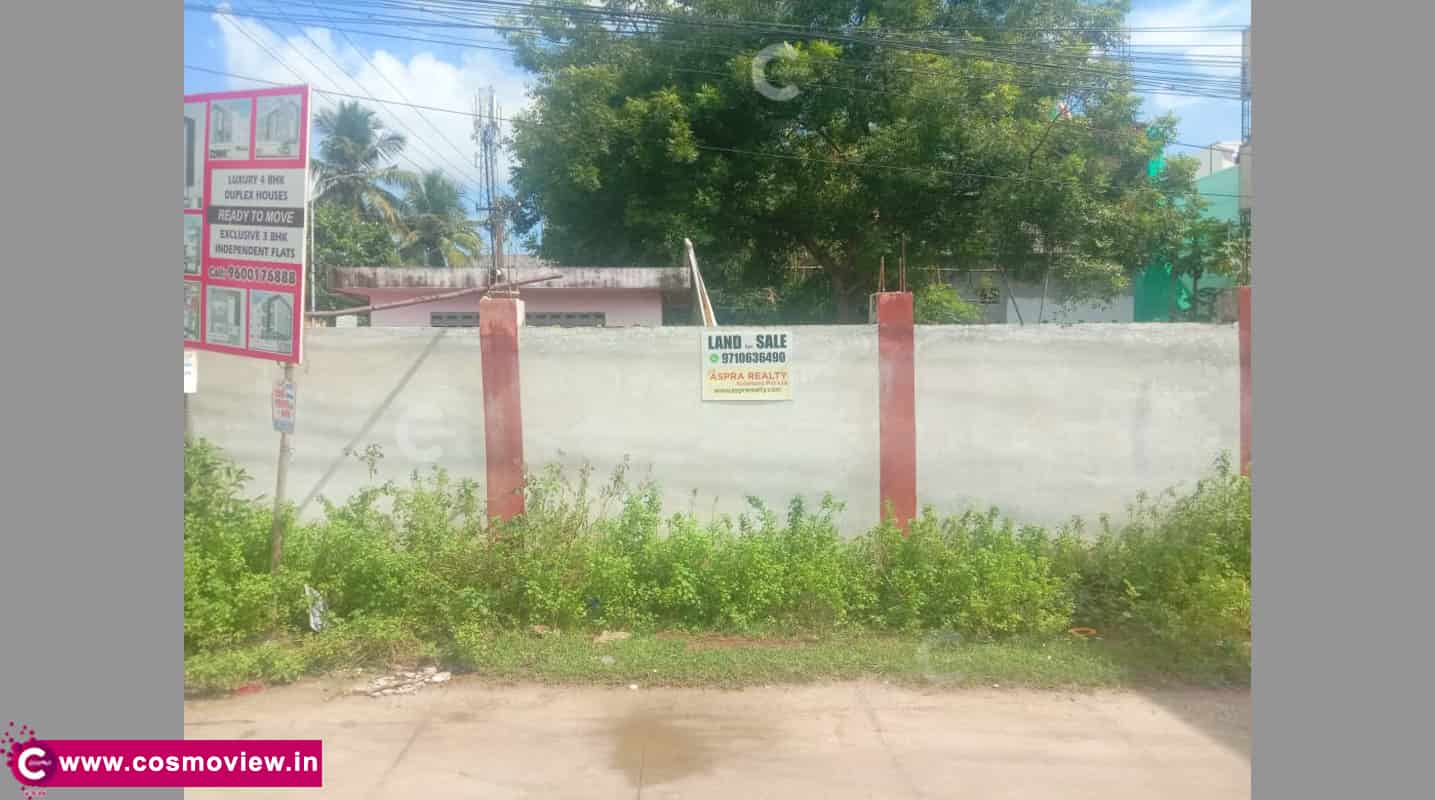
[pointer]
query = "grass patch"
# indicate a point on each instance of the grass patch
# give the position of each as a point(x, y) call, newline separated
point(930, 660)
point(679, 660)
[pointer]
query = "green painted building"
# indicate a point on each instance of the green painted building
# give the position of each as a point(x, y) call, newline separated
point(1152, 288)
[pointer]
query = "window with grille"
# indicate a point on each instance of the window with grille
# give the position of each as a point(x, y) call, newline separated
point(454, 319)
point(566, 319)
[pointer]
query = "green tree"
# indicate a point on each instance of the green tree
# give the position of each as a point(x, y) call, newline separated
point(1160, 218)
point(353, 169)
point(634, 142)
point(1235, 258)
point(939, 304)
point(342, 239)
point(437, 231)
point(1203, 252)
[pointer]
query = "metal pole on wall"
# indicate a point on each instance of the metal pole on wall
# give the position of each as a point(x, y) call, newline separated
point(281, 479)
point(314, 260)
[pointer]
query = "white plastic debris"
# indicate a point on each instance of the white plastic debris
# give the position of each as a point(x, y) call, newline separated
point(317, 609)
point(608, 661)
point(403, 682)
point(612, 636)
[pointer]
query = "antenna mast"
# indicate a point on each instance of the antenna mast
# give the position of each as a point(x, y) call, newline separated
point(486, 135)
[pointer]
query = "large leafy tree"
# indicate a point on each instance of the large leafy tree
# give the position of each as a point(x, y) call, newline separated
point(343, 239)
point(437, 231)
point(978, 133)
point(1211, 247)
point(354, 169)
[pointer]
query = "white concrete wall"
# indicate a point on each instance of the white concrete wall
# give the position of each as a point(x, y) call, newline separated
point(596, 396)
point(343, 399)
point(1044, 422)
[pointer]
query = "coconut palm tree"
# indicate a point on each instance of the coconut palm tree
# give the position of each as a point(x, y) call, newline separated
point(437, 231)
point(352, 169)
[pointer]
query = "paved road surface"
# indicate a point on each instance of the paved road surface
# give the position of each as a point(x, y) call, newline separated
point(469, 739)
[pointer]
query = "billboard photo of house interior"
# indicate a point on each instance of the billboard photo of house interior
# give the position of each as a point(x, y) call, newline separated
point(229, 129)
point(271, 320)
point(191, 311)
point(277, 134)
point(193, 230)
point(193, 155)
point(225, 318)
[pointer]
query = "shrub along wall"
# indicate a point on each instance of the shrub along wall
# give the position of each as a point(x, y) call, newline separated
point(414, 568)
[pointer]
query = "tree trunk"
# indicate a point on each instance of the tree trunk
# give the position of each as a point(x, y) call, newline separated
point(844, 277)
point(841, 294)
point(1195, 297)
point(1175, 285)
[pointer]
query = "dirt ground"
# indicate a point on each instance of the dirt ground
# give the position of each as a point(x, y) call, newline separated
point(472, 739)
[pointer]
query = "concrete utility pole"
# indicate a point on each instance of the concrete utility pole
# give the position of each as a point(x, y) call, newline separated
point(281, 481)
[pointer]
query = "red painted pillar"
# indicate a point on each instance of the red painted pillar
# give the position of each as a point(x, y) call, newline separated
point(897, 404)
point(499, 319)
point(1243, 305)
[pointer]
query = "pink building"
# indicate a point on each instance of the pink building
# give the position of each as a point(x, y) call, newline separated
point(613, 297)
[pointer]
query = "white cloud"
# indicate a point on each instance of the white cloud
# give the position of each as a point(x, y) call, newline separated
point(1194, 47)
point(444, 141)
point(1163, 102)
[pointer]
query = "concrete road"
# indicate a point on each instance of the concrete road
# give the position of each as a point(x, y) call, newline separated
point(469, 739)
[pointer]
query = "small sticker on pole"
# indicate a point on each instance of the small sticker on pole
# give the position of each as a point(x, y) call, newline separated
point(283, 406)
point(191, 372)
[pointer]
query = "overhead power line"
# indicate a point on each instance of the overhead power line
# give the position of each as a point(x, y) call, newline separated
point(735, 151)
point(401, 94)
point(901, 167)
point(510, 120)
point(1195, 84)
point(432, 151)
point(1148, 79)
point(297, 76)
point(886, 36)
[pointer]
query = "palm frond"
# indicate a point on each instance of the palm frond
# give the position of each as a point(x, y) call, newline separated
point(397, 176)
point(389, 144)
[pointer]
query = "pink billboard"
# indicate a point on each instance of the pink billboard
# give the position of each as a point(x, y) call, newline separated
point(246, 192)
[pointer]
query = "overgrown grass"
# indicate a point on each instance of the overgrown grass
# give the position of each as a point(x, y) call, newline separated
point(415, 572)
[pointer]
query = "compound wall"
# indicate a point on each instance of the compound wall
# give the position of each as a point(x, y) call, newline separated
point(1045, 422)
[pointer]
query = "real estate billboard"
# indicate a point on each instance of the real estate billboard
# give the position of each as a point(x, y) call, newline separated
point(246, 198)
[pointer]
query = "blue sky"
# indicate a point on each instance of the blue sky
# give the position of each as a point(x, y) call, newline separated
point(444, 76)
